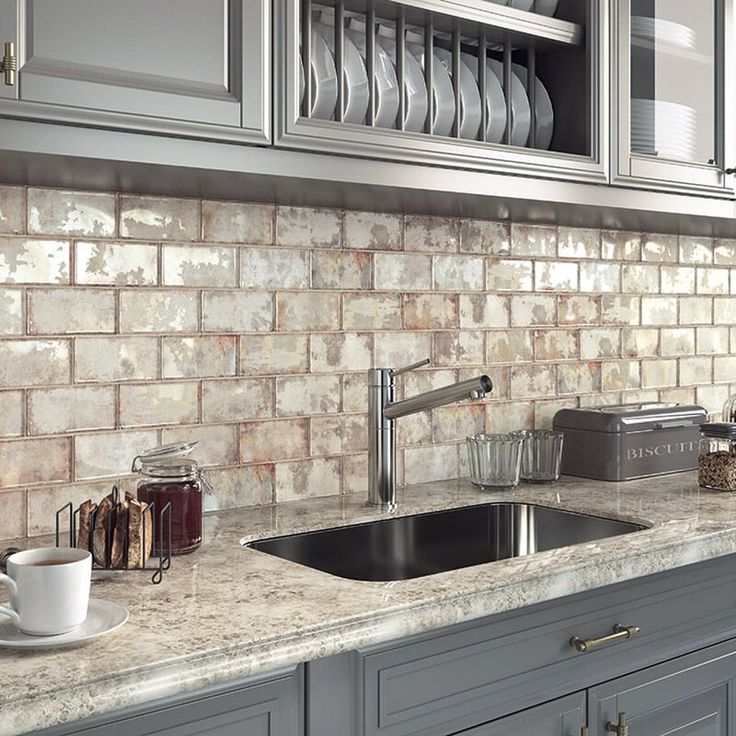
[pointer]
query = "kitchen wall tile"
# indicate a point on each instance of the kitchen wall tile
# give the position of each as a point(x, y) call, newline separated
point(217, 444)
point(620, 310)
point(658, 373)
point(355, 473)
point(406, 272)
point(341, 352)
point(273, 268)
point(724, 369)
point(248, 485)
point(455, 422)
point(600, 277)
point(13, 518)
point(554, 276)
point(458, 273)
point(508, 416)
point(724, 252)
point(307, 479)
point(578, 378)
point(533, 310)
point(459, 348)
point(544, 411)
point(639, 278)
point(431, 311)
point(424, 464)
point(556, 345)
point(307, 311)
point(116, 264)
point(341, 270)
point(509, 275)
point(696, 250)
point(677, 396)
point(159, 403)
point(11, 312)
point(712, 340)
point(658, 310)
point(619, 245)
point(484, 311)
point(107, 454)
point(712, 398)
point(308, 227)
point(237, 311)
point(307, 395)
point(236, 399)
point(235, 222)
point(695, 310)
point(25, 261)
point(269, 354)
point(510, 346)
point(104, 359)
point(532, 381)
point(578, 310)
point(26, 462)
point(335, 434)
point(677, 280)
point(34, 362)
point(64, 311)
point(485, 237)
point(724, 310)
point(159, 218)
point(70, 408)
point(11, 413)
point(198, 357)
point(396, 349)
point(677, 341)
point(12, 211)
point(371, 311)
point(533, 240)
point(712, 281)
point(55, 212)
point(647, 396)
point(145, 310)
point(578, 242)
point(620, 375)
point(426, 379)
point(660, 248)
point(696, 370)
point(640, 342)
point(373, 231)
point(432, 234)
point(269, 441)
point(416, 429)
point(194, 265)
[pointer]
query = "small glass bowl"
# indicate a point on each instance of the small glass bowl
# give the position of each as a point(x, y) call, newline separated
point(541, 455)
point(495, 460)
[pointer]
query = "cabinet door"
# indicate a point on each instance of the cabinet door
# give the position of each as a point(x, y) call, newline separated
point(675, 123)
point(688, 696)
point(167, 65)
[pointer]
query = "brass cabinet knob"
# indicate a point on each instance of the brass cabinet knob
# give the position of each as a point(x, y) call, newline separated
point(618, 633)
point(621, 727)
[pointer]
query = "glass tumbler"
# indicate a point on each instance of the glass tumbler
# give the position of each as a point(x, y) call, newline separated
point(495, 460)
point(541, 455)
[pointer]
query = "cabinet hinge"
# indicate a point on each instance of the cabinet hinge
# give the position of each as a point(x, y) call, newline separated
point(9, 63)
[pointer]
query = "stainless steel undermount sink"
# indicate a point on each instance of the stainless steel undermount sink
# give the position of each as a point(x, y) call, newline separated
point(413, 546)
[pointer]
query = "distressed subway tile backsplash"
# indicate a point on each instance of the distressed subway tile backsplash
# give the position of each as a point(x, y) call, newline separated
point(128, 321)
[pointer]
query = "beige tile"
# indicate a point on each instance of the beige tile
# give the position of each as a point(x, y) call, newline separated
point(11, 312)
point(532, 240)
point(712, 340)
point(402, 272)
point(269, 354)
point(12, 211)
point(712, 397)
point(432, 234)
point(55, 212)
point(307, 395)
point(532, 310)
point(103, 359)
point(25, 462)
point(341, 270)
point(282, 439)
point(159, 218)
point(371, 312)
point(695, 371)
point(509, 275)
point(194, 265)
point(677, 396)
point(485, 237)
point(712, 281)
point(660, 248)
point(274, 268)
point(619, 245)
point(620, 310)
point(600, 277)
point(544, 411)
point(578, 242)
point(13, 504)
point(724, 252)
point(455, 422)
point(217, 444)
point(724, 310)
point(556, 344)
point(159, 403)
point(71, 408)
point(507, 417)
point(116, 264)
point(724, 369)
point(396, 349)
point(11, 413)
point(620, 375)
point(458, 273)
point(63, 311)
point(198, 357)
point(240, 487)
point(600, 343)
point(484, 311)
point(426, 379)
point(640, 342)
point(678, 280)
point(461, 348)
point(431, 311)
point(416, 429)
point(354, 391)
point(578, 378)
point(341, 352)
point(696, 310)
point(658, 310)
point(532, 381)
point(424, 464)
point(236, 222)
point(34, 362)
point(338, 433)
point(146, 310)
point(578, 310)
point(237, 311)
point(640, 397)
point(355, 473)
point(658, 373)
point(308, 227)
point(555, 276)
point(307, 311)
point(24, 261)
point(637, 278)
point(307, 479)
point(235, 399)
point(107, 454)
point(696, 250)
point(373, 231)
point(510, 346)
point(677, 341)
point(609, 398)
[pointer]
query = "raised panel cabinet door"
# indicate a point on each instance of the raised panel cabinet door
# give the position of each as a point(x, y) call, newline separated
point(693, 695)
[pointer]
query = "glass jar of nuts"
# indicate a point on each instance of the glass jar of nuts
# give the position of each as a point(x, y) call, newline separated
point(717, 460)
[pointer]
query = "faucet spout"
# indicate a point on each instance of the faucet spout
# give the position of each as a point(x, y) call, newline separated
point(473, 388)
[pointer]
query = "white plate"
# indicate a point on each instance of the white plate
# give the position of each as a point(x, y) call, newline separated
point(102, 618)
point(521, 113)
point(663, 30)
point(544, 112)
point(355, 78)
point(546, 7)
point(522, 4)
point(442, 92)
point(470, 112)
point(324, 79)
point(415, 89)
point(495, 101)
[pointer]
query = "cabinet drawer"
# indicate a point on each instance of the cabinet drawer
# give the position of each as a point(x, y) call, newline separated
point(474, 673)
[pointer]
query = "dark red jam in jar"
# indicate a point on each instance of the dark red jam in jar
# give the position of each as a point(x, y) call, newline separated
point(167, 477)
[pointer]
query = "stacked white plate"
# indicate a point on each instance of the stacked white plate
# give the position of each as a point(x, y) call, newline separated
point(663, 128)
point(542, 7)
point(661, 30)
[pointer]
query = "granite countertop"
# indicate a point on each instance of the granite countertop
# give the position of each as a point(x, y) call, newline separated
point(226, 611)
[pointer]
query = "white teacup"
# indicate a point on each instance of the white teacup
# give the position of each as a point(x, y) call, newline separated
point(49, 589)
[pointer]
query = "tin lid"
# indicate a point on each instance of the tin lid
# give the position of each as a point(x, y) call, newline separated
point(719, 430)
point(630, 417)
point(161, 455)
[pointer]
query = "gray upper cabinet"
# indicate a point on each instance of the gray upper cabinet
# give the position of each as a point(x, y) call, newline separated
point(673, 121)
point(174, 66)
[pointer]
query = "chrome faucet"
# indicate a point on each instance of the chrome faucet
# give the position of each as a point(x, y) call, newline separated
point(383, 412)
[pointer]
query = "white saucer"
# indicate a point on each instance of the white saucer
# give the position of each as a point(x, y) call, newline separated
point(102, 618)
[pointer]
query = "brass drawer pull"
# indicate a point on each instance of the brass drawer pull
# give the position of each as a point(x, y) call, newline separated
point(621, 728)
point(620, 633)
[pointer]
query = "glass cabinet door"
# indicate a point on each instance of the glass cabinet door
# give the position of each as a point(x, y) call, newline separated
point(675, 119)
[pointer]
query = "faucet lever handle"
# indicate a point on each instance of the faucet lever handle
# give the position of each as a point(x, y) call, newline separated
point(407, 368)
